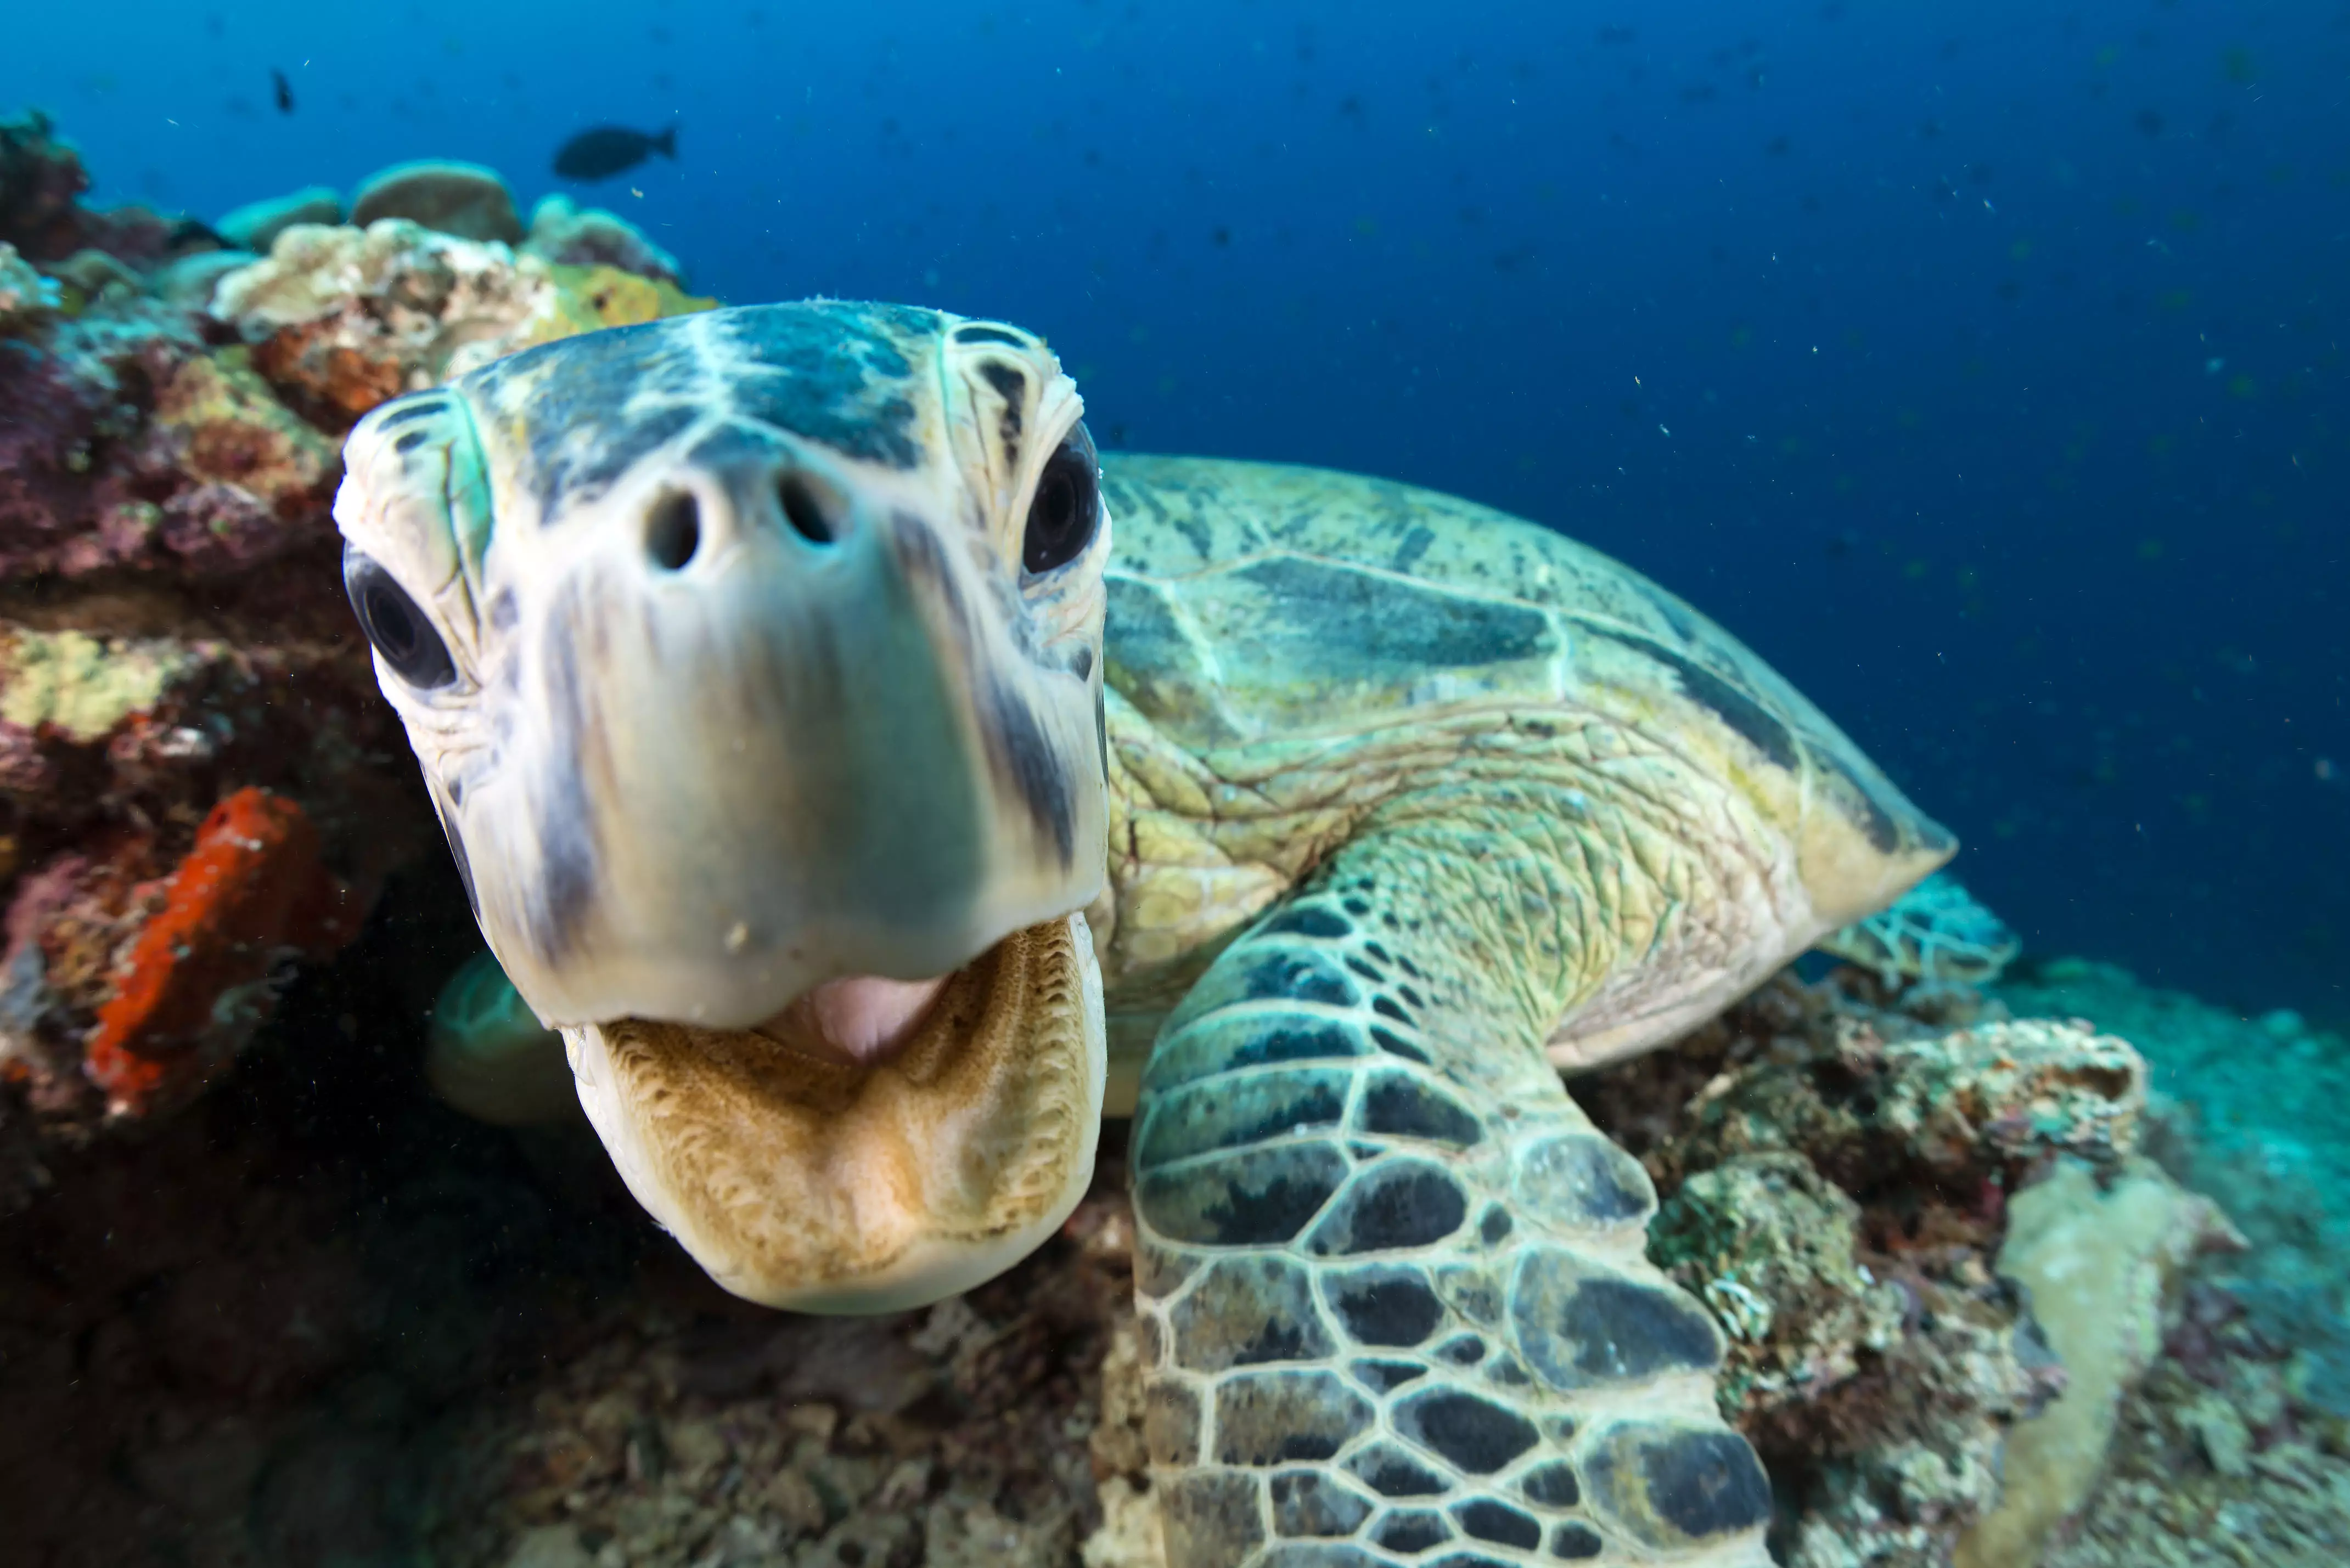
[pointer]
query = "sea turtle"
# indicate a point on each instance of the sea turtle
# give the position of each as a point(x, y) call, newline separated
point(756, 662)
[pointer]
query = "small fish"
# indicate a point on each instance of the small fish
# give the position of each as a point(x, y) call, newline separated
point(284, 91)
point(606, 150)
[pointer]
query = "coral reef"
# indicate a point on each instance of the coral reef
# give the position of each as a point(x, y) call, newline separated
point(41, 182)
point(197, 777)
point(341, 319)
point(1836, 1176)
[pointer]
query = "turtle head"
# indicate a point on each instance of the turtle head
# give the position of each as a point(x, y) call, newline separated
point(753, 662)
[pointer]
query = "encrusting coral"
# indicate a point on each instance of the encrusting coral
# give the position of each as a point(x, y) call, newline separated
point(341, 319)
point(251, 890)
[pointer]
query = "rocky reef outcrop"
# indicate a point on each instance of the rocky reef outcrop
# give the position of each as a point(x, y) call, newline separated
point(199, 787)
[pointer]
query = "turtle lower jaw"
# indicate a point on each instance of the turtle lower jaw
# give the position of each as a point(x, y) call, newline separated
point(875, 1148)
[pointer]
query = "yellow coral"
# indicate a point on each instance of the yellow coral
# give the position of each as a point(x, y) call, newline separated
point(619, 298)
point(81, 685)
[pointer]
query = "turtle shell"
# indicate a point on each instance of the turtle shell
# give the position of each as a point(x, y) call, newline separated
point(1262, 605)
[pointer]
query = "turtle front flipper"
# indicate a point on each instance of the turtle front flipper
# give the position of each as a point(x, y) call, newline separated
point(1392, 1281)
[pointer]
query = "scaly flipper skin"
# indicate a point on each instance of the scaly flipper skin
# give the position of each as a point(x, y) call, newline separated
point(1396, 1304)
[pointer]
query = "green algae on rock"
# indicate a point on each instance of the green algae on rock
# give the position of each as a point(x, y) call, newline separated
point(467, 201)
point(1974, 1105)
point(257, 226)
point(563, 231)
point(82, 686)
point(1768, 1244)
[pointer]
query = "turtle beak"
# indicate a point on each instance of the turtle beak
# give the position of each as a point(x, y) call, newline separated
point(799, 1179)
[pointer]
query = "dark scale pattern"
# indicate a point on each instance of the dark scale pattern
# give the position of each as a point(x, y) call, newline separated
point(1228, 1113)
point(1396, 1203)
point(1551, 1485)
point(1490, 1520)
point(1191, 1054)
point(839, 373)
point(1019, 751)
point(1409, 1533)
point(1737, 710)
point(1507, 1371)
point(1670, 1485)
point(576, 442)
point(1575, 1542)
point(1245, 1312)
point(1395, 1044)
point(1296, 976)
point(1386, 1377)
point(1404, 1106)
point(1475, 1436)
point(1245, 1200)
point(1279, 1417)
point(1581, 1328)
point(1389, 1306)
point(1315, 1503)
point(1494, 1228)
point(1307, 920)
point(1466, 1351)
point(1391, 1472)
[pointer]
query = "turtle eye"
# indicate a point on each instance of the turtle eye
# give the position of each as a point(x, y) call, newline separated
point(395, 627)
point(1066, 512)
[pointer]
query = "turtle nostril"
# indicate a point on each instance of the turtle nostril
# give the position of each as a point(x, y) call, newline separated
point(673, 530)
point(804, 509)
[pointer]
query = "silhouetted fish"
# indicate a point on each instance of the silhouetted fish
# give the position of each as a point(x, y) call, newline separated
point(284, 92)
point(600, 153)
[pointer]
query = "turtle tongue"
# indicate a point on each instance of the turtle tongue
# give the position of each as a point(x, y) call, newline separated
point(856, 1019)
point(881, 1146)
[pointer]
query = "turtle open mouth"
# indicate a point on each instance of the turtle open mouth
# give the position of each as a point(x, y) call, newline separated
point(879, 1145)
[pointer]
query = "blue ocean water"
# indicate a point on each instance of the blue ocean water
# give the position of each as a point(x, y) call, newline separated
point(1979, 365)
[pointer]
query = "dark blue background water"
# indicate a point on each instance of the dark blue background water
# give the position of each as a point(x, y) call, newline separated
point(1980, 365)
